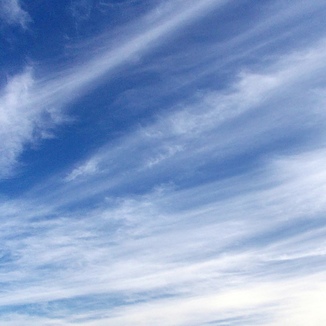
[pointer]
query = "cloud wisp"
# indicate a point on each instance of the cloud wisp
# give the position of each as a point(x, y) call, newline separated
point(33, 98)
point(261, 97)
point(209, 212)
point(11, 13)
point(149, 253)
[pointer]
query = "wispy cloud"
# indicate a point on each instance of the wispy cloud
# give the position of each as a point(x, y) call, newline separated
point(209, 213)
point(21, 122)
point(53, 93)
point(12, 13)
point(182, 138)
point(149, 252)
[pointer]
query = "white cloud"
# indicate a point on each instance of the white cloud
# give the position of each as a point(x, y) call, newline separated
point(249, 246)
point(277, 94)
point(88, 168)
point(22, 121)
point(206, 254)
point(25, 101)
point(212, 246)
point(32, 102)
point(12, 13)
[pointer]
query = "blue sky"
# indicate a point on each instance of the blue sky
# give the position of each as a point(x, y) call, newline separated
point(162, 162)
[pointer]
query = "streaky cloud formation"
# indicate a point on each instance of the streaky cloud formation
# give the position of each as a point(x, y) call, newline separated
point(172, 172)
point(50, 95)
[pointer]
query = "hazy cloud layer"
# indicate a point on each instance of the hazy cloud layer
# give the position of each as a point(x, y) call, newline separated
point(202, 203)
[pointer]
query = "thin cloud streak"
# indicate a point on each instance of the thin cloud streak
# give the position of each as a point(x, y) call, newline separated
point(180, 260)
point(168, 140)
point(137, 234)
point(49, 96)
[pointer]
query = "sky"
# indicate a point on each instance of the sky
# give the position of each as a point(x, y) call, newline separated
point(162, 162)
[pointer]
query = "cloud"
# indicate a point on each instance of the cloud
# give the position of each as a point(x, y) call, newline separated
point(11, 13)
point(206, 253)
point(49, 96)
point(269, 104)
point(136, 234)
point(153, 245)
point(28, 100)
point(169, 262)
point(88, 168)
point(21, 122)
point(81, 10)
